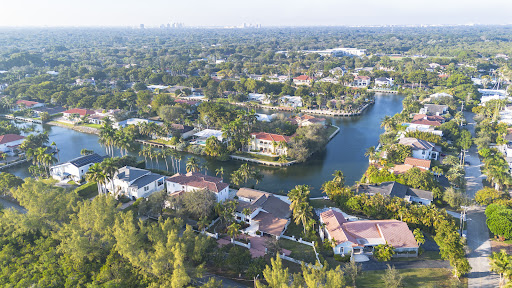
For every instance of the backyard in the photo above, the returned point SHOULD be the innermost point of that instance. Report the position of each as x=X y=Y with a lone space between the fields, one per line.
x=421 y=277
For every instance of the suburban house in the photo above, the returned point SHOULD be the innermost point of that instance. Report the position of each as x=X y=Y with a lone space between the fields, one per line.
x=26 y=104
x=395 y=189
x=134 y=121
x=361 y=81
x=263 y=212
x=50 y=110
x=202 y=136
x=303 y=80
x=267 y=143
x=291 y=101
x=306 y=120
x=75 y=169
x=68 y=114
x=135 y=182
x=421 y=149
x=422 y=128
x=434 y=109
x=81 y=82
x=9 y=143
x=181 y=130
x=192 y=181
x=358 y=237
x=258 y=97
x=410 y=163
x=383 y=82
x=432 y=120
x=329 y=80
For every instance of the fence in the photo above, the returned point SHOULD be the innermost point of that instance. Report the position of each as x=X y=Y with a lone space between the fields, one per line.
x=216 y=235
x=312 y=244
x=248 y=246
x=300 y=261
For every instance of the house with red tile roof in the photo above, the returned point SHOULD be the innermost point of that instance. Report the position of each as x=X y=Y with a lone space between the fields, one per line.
x=268 y=143
x=362 y=236
x=82 y=112
x=9 y=142
x=306 y=120
x=26 y=104
x=303 y=80
x=361 y=81
x=192 y=181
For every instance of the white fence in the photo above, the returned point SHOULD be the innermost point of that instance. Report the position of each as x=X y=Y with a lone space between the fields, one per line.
x=312 y=244
x=248 y=246
x=300 y=261
x=216 y=235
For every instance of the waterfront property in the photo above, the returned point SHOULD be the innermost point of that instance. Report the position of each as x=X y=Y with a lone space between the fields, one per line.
x=10 y=142
x=306 y=120
x=395 y=189
x=134 y=121
x=434 y=109
x=70 y=114
x=263 y=212
x=135 y=182
x=291 y=101
x=384 y=82
x=410 y=163
x=201 y=136
x=26 y=104
x=76 y=168
x=360 y=237
x=192 y=181
x=268 y=143
x=361 y=81
x=421 y=149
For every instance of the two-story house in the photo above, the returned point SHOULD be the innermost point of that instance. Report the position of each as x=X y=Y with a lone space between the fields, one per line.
x=76 y=168
x=421 y=149
x=135 y=182
x=192 y=181
x=268 y=143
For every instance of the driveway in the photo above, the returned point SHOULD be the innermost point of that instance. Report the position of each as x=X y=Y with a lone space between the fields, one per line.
x=477 y=234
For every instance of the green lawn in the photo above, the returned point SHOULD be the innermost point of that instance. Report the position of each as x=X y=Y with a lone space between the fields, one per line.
x=321 y=203
x=425 y=277
x=63 y=123
x=299 y=251
x=259 y=157
x=294 y=230
x=330 y=130
x=88 y=190
x=96 y=126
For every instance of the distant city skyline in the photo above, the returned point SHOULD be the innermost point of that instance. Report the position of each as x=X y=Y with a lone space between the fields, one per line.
x=193 y=13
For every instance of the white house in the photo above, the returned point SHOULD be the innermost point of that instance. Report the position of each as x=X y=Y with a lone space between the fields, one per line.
x=434 y=109
x=411 y=127
x=360 y=237
x=384 y=82
x=135 y=182
x=77 y=111
x=202 y=136
x=263 y=212
x=421 y=149
x=134 y=121
x=182 y=183
x=258 y=97
x=75 y=169
x=268 y=143
x=291 y=101
x=361 y=81
x=9 y=142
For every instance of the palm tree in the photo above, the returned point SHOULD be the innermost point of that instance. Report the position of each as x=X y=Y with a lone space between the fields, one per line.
x=220 y=171
x=145 y=152
x=56 y=149
x=388 y=123
x=95 y=174
x=86 y=152
x=339 y=178
x=109 y=169
x=193 y=164
x=438 y=171
x=370 y=153
x=166 y=152
x=246 y=212
x=233 y=230
x=303 y=213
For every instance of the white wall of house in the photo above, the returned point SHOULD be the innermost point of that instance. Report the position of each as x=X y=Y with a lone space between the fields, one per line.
x=76 y=173
x=425 y=154
x=4 y=148
x=173 y=187
x=123 y=187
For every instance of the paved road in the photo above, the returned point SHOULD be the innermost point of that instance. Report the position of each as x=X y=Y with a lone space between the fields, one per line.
x=477 y=233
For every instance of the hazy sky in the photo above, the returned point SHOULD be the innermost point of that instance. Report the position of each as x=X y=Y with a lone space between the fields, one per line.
x=265 y=12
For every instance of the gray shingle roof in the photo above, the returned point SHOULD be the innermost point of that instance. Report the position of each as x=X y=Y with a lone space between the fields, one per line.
x=146 y=179
x=128 y=173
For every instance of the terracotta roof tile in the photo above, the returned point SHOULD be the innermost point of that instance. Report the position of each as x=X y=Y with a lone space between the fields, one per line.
x=271 y=137
x=10 y=138
x=198 y=180
x=418 y=162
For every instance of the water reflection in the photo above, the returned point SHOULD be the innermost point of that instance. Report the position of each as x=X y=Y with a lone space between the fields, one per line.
x=344 y=152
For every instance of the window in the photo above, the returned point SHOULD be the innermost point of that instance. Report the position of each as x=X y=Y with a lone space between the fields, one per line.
x=146 y=188
x=160 y=182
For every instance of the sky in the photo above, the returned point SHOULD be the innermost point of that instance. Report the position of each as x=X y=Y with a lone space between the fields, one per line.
x=153 y=13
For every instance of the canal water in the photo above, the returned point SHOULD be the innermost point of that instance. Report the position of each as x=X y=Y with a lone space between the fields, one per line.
x=344 y=152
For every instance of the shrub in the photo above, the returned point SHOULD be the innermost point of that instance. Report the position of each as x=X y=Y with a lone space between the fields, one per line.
x=340 y=258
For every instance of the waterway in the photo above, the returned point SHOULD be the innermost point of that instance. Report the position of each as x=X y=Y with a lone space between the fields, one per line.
x=344 y=152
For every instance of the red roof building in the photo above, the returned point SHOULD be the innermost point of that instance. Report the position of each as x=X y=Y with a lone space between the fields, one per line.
x=8 y=138
x=81 y=112
x=192 y=181
x=269 y=144
x=9 y=142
